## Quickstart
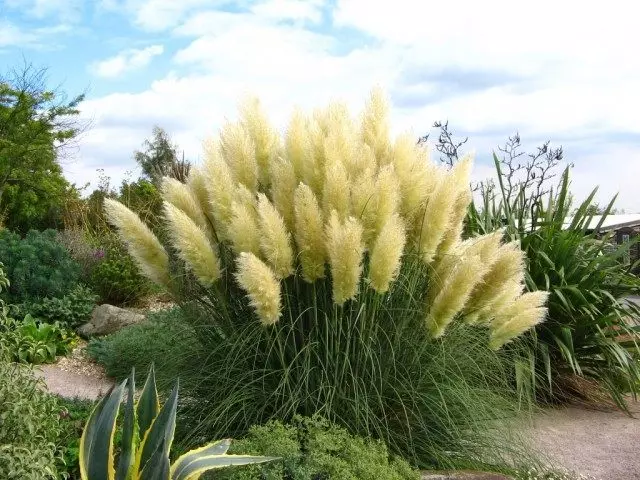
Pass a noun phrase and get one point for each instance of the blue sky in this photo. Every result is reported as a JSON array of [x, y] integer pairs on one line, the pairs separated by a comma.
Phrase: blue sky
[[548, 69]]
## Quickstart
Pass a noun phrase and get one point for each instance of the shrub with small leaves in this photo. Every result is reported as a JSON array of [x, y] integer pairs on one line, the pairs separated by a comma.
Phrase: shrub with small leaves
[[29, 425], [72, 310], [116, 278], [37, 265], [314, 448]]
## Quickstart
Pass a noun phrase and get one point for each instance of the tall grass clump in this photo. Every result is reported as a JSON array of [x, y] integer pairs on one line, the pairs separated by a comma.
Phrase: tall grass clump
[[324, 272], [589, 343]]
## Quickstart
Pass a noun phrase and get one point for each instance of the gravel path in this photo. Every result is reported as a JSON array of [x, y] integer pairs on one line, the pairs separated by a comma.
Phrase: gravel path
[[602, 444], [76, 376]]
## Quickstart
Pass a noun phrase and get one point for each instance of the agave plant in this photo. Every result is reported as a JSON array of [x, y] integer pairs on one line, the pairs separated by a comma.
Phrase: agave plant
[[147, 435]]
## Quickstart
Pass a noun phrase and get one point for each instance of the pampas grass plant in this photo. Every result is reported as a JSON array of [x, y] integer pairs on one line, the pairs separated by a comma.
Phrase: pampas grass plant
[[335, 281]]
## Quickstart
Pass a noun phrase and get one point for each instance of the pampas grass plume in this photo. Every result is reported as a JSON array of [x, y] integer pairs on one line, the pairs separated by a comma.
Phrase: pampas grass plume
[[261, 285], [192, 244], [142, 244]]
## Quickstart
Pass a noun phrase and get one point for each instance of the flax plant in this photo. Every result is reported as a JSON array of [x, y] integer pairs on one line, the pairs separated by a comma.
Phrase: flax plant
[[334, 272]]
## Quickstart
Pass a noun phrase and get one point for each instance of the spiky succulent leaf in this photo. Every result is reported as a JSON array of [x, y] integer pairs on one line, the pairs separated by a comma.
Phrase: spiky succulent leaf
[[129, 434], [96, 444], [148, 404], [160, 433], [157, 468], [203, 463], [219, 447]]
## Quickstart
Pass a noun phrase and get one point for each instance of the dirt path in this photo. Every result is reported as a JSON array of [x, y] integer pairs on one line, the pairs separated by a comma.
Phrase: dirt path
[[602, 444], [76, 376]]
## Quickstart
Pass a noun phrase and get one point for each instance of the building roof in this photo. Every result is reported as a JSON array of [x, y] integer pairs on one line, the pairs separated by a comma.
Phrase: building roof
[[613, 222]]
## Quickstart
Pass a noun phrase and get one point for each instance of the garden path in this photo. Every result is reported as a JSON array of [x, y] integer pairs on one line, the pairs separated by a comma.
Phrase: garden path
[[602, 444], [76, 376]]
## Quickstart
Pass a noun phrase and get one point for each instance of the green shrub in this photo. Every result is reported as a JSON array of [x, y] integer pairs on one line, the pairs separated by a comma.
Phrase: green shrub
[[74, 415], [115, 278], [164, 339], [29, 426], [77, 243], [587, 333], [29, 341], [37, 265], [313, 448], [330, 277], [72, 310]]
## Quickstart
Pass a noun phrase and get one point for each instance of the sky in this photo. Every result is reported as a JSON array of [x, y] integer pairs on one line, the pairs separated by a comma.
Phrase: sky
[[557, 70]]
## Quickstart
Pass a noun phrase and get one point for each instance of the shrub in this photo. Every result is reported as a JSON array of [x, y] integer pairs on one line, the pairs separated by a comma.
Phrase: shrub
[[164, 339], [313, 448], [381, 342], [71, 311], [78, 246], [116, 278], [29, 425], [37, 265], [587, 333], [147, 435], [74, 415], [34, 342]]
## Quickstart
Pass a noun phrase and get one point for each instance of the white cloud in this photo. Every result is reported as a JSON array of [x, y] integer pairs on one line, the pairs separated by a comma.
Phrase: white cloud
[[43, 38], [13, 35], [488, 68], [127, 60], [301, 10], [159, 15], [64, 10]]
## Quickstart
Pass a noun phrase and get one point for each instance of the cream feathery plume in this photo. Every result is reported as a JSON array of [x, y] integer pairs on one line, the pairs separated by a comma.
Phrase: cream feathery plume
[[220, 185], [453, 294], [418, 177], [262, 287], [438, 213], [363, 203], [336, 191], [386, 254], [192, 244], [375, 125], [298, 148], [524, 313], [184, 198], [197, 183], [454, 233], [239, 152], [387, 194], [505, 267], [264, 136], [309, 233], [345, 250], [275, 240], [283, 186], [143, 246], [360, 160], [243, 231]]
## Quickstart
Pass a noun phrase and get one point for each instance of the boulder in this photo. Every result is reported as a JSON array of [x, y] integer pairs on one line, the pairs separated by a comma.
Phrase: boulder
[[106, 319]]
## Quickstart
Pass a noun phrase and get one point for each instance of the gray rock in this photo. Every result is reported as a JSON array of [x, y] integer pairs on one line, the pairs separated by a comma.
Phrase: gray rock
[[463, 475], [107, 319]]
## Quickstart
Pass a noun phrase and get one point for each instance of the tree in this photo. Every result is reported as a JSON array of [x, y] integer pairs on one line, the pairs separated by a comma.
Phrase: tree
[[160, 158], [528, 175], [37, 124]]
